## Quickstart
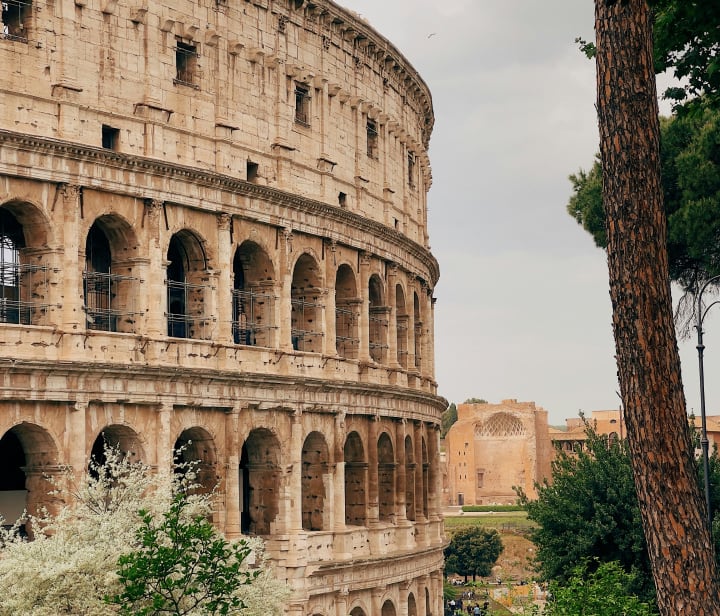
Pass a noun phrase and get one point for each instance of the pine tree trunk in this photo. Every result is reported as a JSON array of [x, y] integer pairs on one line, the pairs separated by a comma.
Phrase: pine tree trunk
[[671, 504]]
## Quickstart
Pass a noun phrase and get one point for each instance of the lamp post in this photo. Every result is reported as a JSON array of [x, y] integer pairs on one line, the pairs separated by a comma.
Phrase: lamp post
[[700, 313]]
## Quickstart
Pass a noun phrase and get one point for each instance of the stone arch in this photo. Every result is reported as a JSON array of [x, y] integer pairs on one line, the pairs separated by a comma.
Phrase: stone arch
[[410, 479], [378, 317], [412, 606], [196, 446], [121, 436], [259, 482], [386, 478], [357, 611], [347, 338], [28, 455], [186, 292], [401, 326], [24, 264], [315, 458], [425, 477], [109, 283], [253, 295], [356, 489], [306, 305], [427, 600], [501, 425], [388, 608]]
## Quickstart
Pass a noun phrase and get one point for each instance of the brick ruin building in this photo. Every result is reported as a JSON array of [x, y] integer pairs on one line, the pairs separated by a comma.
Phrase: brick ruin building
[[213, 230]]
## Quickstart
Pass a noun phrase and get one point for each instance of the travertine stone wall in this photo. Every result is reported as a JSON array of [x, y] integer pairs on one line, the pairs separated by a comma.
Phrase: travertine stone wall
[[213, 227]]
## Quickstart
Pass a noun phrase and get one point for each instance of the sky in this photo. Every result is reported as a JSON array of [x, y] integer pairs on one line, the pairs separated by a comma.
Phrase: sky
[[523, 308]]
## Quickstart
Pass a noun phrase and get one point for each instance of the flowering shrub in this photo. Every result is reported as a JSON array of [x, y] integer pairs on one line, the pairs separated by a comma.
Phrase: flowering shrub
[[77, 562]]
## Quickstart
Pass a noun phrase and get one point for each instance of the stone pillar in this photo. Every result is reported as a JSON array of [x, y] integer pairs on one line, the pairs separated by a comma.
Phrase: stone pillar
[[400, 476], [284, 311], [341, 602], [330, 343], [339, 459], [434, 475], [73, 316], [164, 442], [431, 337], [373, 513], [364, 316], [153, 295], [223, 292], [419, 470], [77, 428], [412, 320], [392, 357], [294, 522], [232, 474]]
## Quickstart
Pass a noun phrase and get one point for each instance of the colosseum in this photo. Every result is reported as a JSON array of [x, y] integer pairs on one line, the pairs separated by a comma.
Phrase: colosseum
[[213, 233]]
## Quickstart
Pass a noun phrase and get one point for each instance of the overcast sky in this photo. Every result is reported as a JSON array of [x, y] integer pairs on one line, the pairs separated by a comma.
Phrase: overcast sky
[[523, 309]]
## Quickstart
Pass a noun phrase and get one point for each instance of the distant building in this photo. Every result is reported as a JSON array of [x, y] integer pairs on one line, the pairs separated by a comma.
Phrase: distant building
[[494, 447], [573, 438]]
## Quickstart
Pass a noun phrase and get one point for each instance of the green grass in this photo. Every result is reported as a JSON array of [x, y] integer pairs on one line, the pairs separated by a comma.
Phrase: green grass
[[492, 508], [505, 521]]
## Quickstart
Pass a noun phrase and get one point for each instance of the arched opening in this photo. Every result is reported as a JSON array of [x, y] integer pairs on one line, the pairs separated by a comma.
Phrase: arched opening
[[253, 298], [386, 478], [378, 317], [27, 456], [355, 481], [108, 294], [314, 468], [409, 479], [401, 322], [425, 478], [418, 331], [12, 240], [259, 482], [427, 601], [306, 317], [357, 611], [195, 450], [388, 609], [186, 293], [347, 339], [122, 437], [412, 607]]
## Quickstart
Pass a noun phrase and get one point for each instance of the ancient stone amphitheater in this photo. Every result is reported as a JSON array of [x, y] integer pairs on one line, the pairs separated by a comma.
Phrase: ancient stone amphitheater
[[213, 233]]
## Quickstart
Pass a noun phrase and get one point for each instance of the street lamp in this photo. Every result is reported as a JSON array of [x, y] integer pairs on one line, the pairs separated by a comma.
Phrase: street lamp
[[700, 313]]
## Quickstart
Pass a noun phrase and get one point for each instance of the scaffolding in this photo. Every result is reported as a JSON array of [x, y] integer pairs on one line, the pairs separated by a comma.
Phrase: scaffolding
[[378, 334], [346, 343], [22, 289], [182, 298], [15, 15], [252, 317], [101, 304], [304, 330]]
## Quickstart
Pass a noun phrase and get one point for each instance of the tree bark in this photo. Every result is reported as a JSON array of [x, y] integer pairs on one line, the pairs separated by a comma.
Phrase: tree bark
[[671, 504]]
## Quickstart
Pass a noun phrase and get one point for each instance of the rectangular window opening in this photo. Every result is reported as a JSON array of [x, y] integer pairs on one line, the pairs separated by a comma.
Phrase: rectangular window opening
[[185, 63], [411, 169], [252, 171], [342, 199], [302, 104], [110, 137], [372, 139], [15, 20]]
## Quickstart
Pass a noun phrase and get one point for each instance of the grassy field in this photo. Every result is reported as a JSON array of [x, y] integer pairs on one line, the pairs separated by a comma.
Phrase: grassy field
[[506, 521]]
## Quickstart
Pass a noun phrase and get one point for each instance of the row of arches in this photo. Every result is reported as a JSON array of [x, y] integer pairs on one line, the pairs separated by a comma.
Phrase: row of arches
[[380, 316], [372, 470]]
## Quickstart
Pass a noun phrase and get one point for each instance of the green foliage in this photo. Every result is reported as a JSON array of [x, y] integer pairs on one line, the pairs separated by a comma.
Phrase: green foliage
[[475, 401], [473, 551], [589, 512], [182, 566], [690, 159], [603, 589], [449, 417], [686, 37]]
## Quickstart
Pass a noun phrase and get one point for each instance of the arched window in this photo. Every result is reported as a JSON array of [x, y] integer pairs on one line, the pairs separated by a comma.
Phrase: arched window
[[378, 320], [186, 316], [401, 322], [259, 482], [346, 308], [388, 609], [314, 467], [12, 307], [386, 478], [195, 450], [253, 298], [355, 481], [306, 330]]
